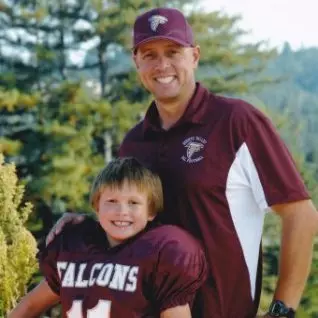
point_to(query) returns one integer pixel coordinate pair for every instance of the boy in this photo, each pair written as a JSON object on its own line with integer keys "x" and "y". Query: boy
{"x": 124, "y": 266}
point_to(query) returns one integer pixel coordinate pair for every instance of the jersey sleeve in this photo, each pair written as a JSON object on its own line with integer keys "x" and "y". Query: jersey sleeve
{"x": 47, "y": 262}
{"x": 267, "y": 162}
{"x": 180, "y": 272}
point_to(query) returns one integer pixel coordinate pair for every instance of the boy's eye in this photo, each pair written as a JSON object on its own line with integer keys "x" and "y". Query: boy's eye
{"x": 111, "y": 201}
{"x": 133, "y": 202}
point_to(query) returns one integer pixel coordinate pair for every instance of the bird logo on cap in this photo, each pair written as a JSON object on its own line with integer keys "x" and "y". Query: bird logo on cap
{"x": 155, "y": 20}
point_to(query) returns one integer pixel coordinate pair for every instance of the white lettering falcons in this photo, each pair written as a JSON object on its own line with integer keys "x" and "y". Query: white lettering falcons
{"x": 113, "y": 276}
{"x": 155, "y": 20}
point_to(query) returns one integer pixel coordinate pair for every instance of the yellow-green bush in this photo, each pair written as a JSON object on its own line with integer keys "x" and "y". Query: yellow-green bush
{"x": 17, "y": 245}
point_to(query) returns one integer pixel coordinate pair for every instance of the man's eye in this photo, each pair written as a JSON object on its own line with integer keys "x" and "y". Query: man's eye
{"x": 148, "y": 56}
{"x": 173, "y": 52}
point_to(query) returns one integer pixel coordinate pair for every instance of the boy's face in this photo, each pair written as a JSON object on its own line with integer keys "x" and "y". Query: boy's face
{"x": 123, "y": 212}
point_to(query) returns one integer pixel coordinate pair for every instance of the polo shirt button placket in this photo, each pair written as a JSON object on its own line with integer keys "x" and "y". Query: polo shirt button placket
{"x": 163, "y": 149}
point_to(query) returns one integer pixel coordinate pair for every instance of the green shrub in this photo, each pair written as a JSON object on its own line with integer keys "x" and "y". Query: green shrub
{"x": 17, "y": 245}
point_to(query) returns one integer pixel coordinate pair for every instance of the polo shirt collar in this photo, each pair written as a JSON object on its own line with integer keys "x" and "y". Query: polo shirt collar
{"x": 194, "y": 113}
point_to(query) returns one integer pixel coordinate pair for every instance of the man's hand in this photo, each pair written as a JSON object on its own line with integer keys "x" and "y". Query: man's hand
{"x": 73, "y": 218}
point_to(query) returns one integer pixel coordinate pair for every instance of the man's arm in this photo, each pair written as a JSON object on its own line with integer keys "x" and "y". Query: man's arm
{"x": 35, "y": 302}
{"x": 177, "y": 312}
{"x": 73, "y": 218}
{"x": 299, "y": 227}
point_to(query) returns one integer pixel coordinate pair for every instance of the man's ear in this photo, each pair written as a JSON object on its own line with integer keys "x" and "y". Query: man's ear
{"x": 196, "y": 55}
{"x": 134, "y": 58}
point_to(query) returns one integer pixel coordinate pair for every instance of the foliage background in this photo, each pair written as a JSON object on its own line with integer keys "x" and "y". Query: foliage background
{"x": 17, "y": 245}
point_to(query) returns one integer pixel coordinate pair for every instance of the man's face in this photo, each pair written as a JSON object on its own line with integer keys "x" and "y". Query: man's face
{"x": 166, "y": 69}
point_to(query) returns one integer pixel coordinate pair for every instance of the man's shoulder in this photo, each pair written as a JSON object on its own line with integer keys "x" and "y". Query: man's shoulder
{"x": 236, "y": 106}
{"x": 135, "y": 133}
{"x": 134, "y": 144}
{"x": 237, "y": 113}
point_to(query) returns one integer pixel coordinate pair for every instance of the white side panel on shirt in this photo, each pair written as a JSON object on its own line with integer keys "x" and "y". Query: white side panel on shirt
{"x": 247, "y": 202}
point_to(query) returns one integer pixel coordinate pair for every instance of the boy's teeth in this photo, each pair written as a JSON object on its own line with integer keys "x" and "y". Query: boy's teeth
{"x": 165, "y": 80}
{"x": 121, "y": 223}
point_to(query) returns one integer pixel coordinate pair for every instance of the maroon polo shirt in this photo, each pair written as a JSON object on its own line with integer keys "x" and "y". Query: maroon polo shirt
{"x": 222, "y": 166}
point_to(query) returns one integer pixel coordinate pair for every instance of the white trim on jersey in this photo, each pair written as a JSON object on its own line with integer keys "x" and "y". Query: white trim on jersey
{"x": 247, "y": 204}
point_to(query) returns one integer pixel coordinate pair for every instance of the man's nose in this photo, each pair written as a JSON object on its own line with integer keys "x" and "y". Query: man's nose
{"x": 162, "y": 62}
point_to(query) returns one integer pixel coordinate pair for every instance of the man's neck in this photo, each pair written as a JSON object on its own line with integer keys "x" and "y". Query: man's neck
{"x": 171, "y": 111}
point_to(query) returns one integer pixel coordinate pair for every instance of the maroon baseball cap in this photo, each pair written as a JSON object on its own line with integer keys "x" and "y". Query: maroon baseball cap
{"x": 162, "y": 23}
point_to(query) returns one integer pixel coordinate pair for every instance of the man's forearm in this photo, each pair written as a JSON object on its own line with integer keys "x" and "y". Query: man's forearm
{"x": 296, "y": 255}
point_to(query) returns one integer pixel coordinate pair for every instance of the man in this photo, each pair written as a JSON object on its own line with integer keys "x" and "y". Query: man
{"x": 223, "y": 166}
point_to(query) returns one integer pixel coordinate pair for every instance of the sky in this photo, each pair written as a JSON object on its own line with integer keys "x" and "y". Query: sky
{"x": 274, "y": 20}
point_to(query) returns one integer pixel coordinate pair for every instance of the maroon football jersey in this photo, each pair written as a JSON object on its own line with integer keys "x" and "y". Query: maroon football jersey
{"x": 159, "y": 268}
{"x": 222, "y": 166}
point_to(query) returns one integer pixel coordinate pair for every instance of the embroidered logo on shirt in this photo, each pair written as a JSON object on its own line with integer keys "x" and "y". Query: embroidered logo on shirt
{"x": 194, "y": 146}
{"x": 155, "y": 20}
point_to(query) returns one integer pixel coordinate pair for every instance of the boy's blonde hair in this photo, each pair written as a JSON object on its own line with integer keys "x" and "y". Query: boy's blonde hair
{"x": 131, "y": 170}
